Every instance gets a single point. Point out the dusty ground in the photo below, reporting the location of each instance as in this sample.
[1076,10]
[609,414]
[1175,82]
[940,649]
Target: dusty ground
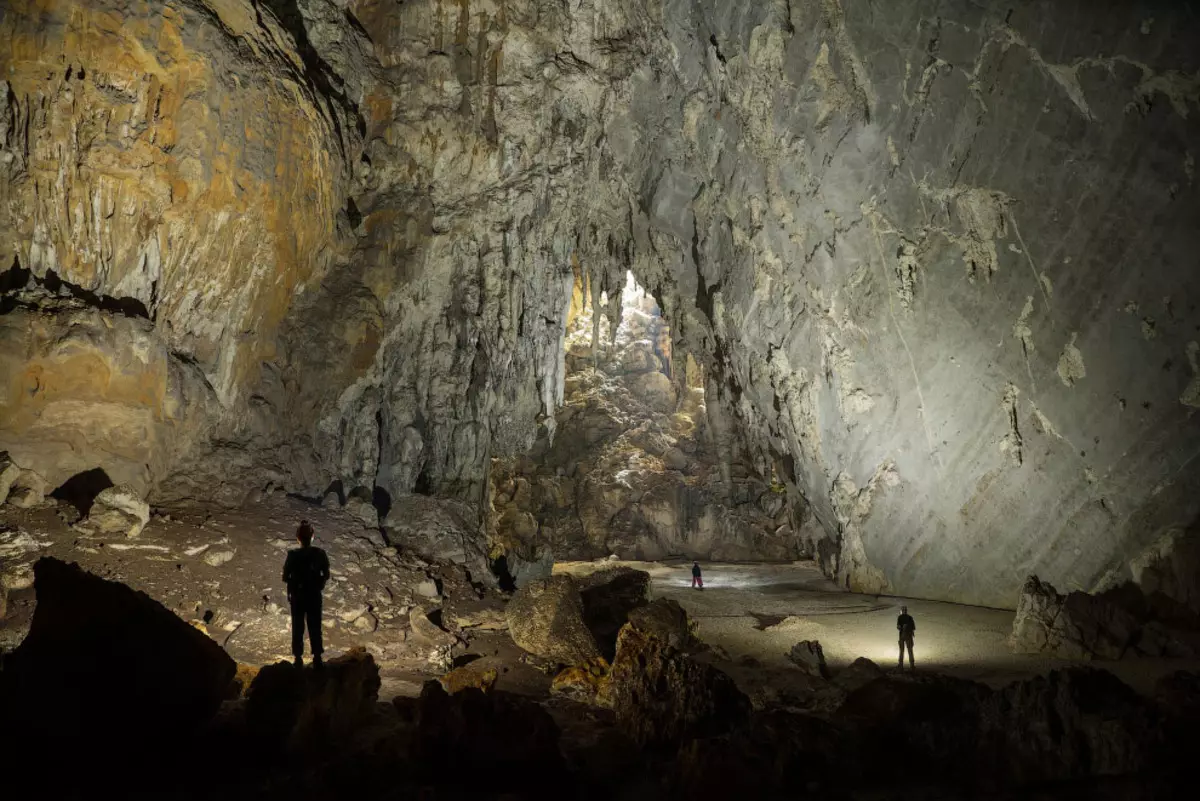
[761,610]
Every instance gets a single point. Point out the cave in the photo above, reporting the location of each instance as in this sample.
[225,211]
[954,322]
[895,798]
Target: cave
[643,373]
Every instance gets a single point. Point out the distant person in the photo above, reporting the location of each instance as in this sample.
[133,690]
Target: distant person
[907,627]
[305,572]
[697,579]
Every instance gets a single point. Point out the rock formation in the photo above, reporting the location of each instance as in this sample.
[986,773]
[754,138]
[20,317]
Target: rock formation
[660,695]
[105,669]
[932,263]
[1083,626]
[546,619]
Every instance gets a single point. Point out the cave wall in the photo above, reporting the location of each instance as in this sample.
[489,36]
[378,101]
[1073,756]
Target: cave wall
[936,258]
[942,258]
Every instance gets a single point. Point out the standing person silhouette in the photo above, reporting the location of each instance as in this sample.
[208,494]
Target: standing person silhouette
[697,579]
[907,627]
[305,572]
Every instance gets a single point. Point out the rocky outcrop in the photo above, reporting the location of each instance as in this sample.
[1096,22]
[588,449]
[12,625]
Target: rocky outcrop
[659,695]
[106,669]
[665,619]
[313,710]
[546,618]
[116,511]
[628,467]
[1083,626]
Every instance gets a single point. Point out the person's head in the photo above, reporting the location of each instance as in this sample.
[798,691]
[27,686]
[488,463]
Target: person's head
[304,534]
[904,609]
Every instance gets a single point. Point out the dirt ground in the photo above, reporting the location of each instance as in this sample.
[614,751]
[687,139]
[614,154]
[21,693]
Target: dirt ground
[761,611]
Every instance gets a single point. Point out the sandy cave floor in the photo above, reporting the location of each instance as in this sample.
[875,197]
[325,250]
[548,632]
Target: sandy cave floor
[762,610]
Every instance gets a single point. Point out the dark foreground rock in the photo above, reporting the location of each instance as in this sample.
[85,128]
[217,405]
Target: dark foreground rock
[492,742]
[305,710]
[660,695]
[106,669]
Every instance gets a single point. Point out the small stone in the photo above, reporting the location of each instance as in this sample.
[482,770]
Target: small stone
[217,558]
[427,589]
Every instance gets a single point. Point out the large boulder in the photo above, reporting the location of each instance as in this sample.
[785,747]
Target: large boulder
[313,709]
[546,619]
[490,743]
[609,596]
[1083,626]
[665,619]
[116,511]
[106,668]
[660,695]
[1074,723]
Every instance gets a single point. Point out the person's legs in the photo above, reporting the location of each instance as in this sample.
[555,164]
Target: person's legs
[694,580]
[911,664]
[297,628]
[313,613]
[901,653]
[700,581]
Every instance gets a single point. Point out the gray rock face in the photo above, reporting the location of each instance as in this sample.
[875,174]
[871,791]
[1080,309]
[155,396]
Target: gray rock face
[546,619]
[89,633]
[933,262]
[1082,626]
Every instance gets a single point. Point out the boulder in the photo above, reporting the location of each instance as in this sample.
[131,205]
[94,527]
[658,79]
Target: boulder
[117,511]
[438,530]
[27,490]
[524,570]
[808,656]
[362,510]
[546,619]
[469,676]
[859,672]
[313,709]
[428,633]
[1083,626]
[106,667]
[9,473]
[489,743]
[587,682]
[609,596]
[659,695]
[665,619]
[1074,723]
